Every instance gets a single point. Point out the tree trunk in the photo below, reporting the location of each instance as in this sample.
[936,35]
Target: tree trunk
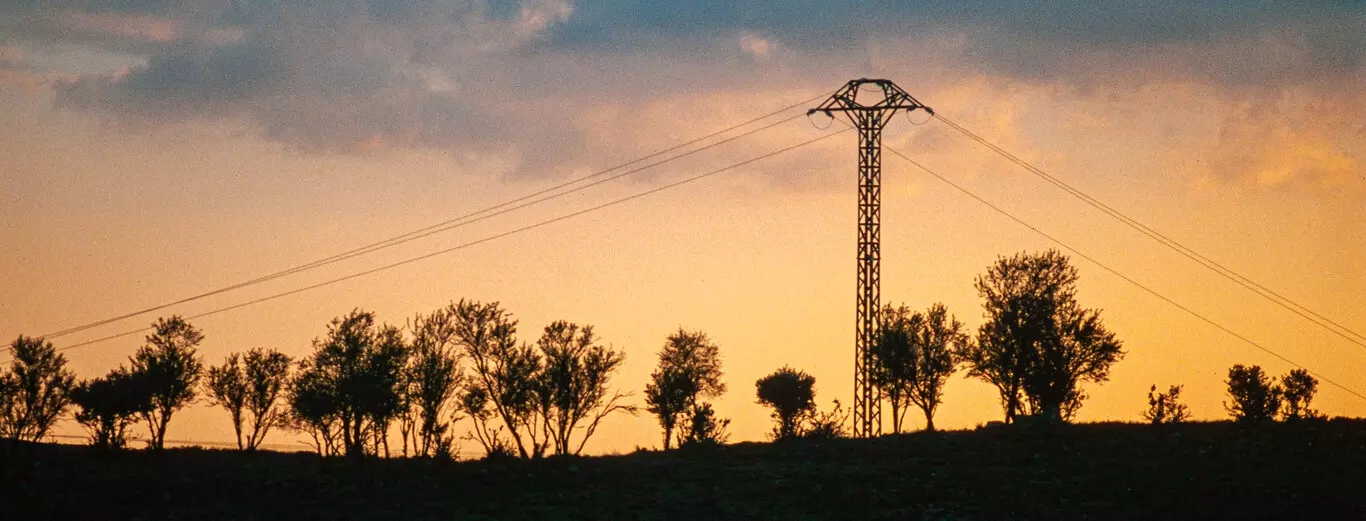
[896,412]
[929,420]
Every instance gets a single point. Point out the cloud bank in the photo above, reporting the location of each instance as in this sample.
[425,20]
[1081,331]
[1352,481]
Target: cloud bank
[535,83]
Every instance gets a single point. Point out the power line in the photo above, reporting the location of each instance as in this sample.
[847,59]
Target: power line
[472,217]
[1249,284]
[1135,283]
[475,242]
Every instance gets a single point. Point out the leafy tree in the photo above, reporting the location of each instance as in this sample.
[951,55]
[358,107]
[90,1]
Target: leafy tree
[702,427]
[351,383]
[914,357]
[574,383]
[894,359]
[227,388]
[432,380]
[108,405]
[1297,389]
[249,387]
[506,373]
[1166,407]
[169,367]
[1038,344]
[314,407]
[791,394]
[37,389]
[689,368]
[1254,396]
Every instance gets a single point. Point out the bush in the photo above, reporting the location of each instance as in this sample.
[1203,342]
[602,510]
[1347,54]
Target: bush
[703,428]
[108,405]
[827,425]
[1166,407]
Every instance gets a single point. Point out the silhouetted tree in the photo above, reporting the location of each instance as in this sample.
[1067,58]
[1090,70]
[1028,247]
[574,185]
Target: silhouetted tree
[507,373]
[36,389]
[169,368]
[1254,396]
[475,402]
[1038,345]
[791,394]
[689,368]
[914,357]
[108,405]
[702,428]
[1297,389]
[574,381]
[1166,407]
[314,407]
[352,379]
[432,381]
[894,359]
[227,388]
[249,387]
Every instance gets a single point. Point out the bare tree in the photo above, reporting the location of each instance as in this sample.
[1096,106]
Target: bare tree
[169,367]
[689,368]
[574,380]
[36,389]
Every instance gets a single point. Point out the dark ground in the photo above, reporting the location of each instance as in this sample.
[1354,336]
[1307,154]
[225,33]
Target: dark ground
[1313,470]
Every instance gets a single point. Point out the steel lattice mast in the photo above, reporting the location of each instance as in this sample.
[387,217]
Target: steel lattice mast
[869,118]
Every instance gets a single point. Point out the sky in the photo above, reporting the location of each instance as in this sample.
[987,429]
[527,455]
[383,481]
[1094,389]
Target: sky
[156,149]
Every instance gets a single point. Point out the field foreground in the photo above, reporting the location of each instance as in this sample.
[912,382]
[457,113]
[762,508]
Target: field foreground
[1314,470]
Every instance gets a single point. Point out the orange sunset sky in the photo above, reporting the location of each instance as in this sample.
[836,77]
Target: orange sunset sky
[154,150]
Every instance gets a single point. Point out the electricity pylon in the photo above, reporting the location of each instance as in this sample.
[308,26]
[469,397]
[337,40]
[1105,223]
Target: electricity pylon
[869,118]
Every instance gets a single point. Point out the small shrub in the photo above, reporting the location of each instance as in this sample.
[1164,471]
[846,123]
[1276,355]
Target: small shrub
[703,428]
[1166,407]
[826,425]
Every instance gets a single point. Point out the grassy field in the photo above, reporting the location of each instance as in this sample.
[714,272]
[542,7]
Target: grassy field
[1313,470]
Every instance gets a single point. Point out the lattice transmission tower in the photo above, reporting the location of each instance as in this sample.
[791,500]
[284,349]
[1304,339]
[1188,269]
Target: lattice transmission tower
[869,118]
